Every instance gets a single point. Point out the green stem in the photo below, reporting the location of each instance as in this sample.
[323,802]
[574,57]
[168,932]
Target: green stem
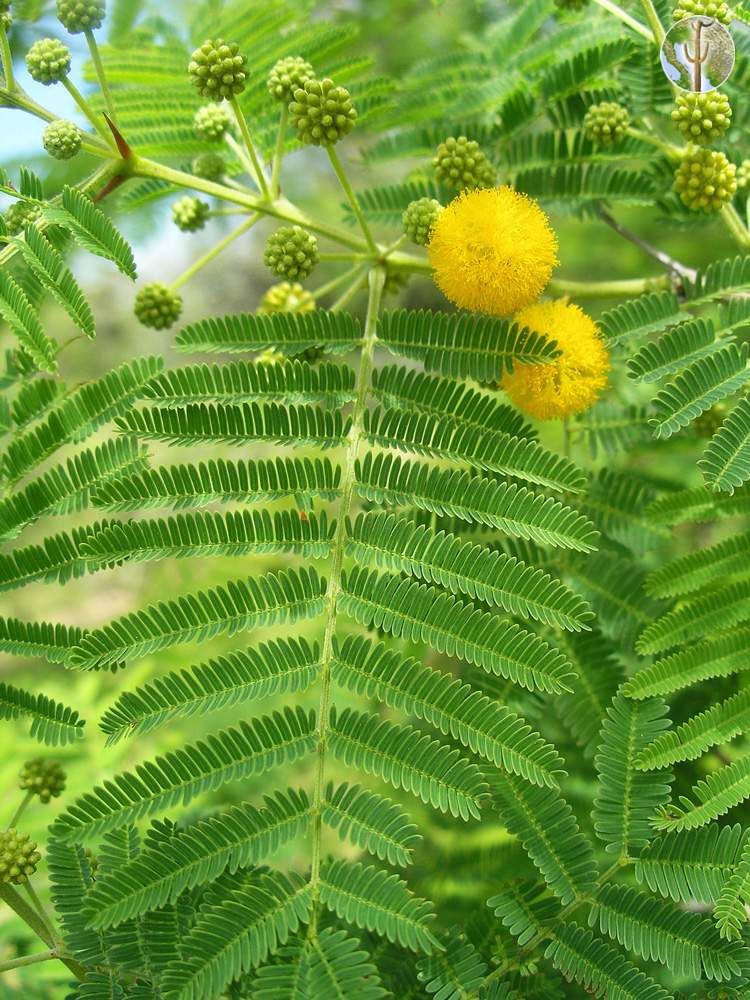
[278,155]
[329,286]
[100,74]
[343,256]
[623,15]
[19,812]
[88,111]
[37,904]
[673,152]
[609,289]
[735,225]
[655,24]
[247,139]
[19,963]
[7,58]
[27,913]
[376,282]
[214,251]
[279,208]
[351,196]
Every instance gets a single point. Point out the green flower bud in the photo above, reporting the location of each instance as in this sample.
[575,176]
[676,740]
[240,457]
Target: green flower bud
[743,175]
[6,18]
[189,214]
[419,217]
[461,164]
[48,61]
[217,68]
[20,214]
[209,166]
[702,118]
[321,112]
[18,856]
[80,15]
[288,75]
[291,252]
[45,778]
[157,306]
[706,8]
[212,122]
[705,180]
[62,139]
[286,297]
[605,123]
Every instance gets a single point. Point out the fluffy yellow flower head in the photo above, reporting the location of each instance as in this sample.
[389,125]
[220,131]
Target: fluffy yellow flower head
[492,250]
[573,381]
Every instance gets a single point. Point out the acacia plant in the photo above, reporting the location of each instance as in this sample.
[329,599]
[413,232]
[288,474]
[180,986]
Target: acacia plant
[498,705]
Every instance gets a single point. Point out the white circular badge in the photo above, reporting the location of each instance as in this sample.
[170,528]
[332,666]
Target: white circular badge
[697,54]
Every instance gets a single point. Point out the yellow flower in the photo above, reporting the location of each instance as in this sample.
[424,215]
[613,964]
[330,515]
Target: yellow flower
[573,381]
[492,250]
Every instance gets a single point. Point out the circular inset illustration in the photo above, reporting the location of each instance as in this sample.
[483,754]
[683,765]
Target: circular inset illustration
[698,54]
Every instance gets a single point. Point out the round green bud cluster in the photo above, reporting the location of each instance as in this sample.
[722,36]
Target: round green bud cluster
[212,122]
[705,8]
[321,112]
[62,139]
[286,297]
[157,306]
[209,166]
[48,61]
[291,252]
[288,75]
[189,214]
[743,175]
[18,856]
[461,164]
[6,18]
[45,778]
[20,214]
[605,123]
[217,69]
[702,118]
[80,15]
[419,217]
[705,180]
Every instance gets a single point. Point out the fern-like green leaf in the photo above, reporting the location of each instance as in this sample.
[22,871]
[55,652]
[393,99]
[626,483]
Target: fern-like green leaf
[440,438]
[694,619]
[278,667]
[234,607]
[544,823]
[637,318]
[235,932]
[405,758]
[512,509]
[233,754]
[54,642]
[463,567]
[56,559]
[378,901]
[692,864]
[423,613]
[241,836]
[701,661]
[626,798]
[698,387]
[698,569]
[713,796]
[730,912]
[717,279]
[370,821]
[725,463]
[51,722]
[463,345]
[291,333]
[220,481]
[91,228]
[454,973]
[456,709]
[674,350]
[22,318]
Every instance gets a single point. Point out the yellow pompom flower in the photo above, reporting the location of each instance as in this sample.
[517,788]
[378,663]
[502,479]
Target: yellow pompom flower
[492,250]
[573,381]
